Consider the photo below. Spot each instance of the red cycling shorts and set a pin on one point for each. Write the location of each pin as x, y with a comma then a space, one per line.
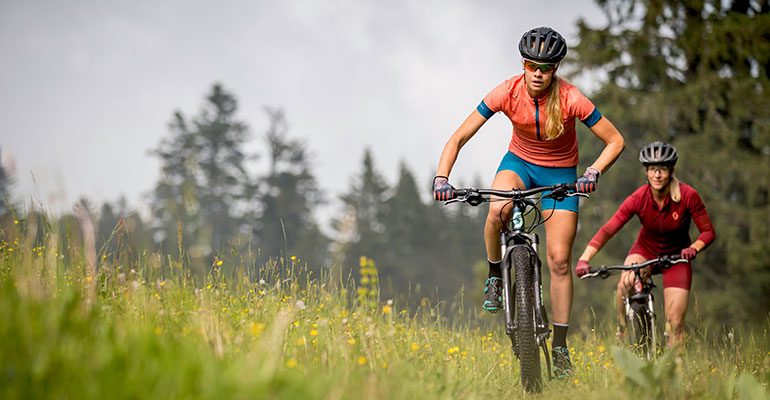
678, 276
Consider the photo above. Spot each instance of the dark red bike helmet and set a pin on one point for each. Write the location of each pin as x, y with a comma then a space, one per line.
543, 44
658, 153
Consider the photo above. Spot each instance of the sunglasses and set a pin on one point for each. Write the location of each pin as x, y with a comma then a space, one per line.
532, 66
658, 169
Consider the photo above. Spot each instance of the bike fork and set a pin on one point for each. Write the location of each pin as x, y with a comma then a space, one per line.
542, 330
627, 305
541, 317
505, 267
653, 328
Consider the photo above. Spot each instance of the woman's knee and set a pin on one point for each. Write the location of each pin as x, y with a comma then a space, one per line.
675, 322
559, 264
494, 217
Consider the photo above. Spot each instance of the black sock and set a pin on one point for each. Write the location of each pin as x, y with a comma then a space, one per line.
560, 335
494, 269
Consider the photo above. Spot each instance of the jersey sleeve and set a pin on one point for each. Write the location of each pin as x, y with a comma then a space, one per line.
701, 218
582, 108
626, 210
494, 101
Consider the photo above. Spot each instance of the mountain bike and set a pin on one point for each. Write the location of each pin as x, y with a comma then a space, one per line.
526, 321
639, 306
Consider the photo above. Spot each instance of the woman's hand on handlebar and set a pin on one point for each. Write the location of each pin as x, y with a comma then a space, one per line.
582, 268
689, 253
442, 190
588, 182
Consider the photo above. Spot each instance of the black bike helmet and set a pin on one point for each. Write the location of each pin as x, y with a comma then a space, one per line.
543, 44
658, 153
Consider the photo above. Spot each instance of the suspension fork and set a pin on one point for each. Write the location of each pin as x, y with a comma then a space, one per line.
636, 288
506, 247
541, 318
505, 267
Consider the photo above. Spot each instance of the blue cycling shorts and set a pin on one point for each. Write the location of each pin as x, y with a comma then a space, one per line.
534, 175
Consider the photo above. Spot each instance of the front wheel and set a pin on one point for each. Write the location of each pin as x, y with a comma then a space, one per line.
529, 357
640, 330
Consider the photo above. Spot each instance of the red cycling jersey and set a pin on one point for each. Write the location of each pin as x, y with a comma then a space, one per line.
664, 230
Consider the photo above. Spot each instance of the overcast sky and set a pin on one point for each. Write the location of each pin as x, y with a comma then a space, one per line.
88, 87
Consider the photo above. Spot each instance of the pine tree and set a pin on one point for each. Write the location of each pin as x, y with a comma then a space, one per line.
204, 187
6, 204
285, 226
360, 229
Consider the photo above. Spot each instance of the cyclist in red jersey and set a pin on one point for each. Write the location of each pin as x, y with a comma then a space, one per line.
543, 151
665, 208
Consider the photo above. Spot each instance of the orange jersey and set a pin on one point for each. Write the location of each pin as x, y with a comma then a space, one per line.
528, 117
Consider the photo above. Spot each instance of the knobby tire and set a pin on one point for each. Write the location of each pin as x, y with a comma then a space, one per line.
638, 323
529, 354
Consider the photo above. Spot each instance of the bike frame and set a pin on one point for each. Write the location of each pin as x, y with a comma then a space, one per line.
508, 240
642, 292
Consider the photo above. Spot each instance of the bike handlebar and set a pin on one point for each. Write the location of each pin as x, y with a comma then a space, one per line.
604, 271
475, 196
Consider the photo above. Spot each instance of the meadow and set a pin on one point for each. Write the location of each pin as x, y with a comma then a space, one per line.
140, 326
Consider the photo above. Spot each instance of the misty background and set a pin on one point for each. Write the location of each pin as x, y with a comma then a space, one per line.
87, 88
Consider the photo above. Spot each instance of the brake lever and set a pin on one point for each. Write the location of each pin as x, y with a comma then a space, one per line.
601, 273
573, 194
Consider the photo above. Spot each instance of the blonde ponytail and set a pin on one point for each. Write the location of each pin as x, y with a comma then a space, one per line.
554, 124
674, 191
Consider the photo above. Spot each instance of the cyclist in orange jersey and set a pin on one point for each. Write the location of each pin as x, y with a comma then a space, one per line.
543, 151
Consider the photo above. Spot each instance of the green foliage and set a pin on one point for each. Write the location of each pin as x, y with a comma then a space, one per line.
6, 182
153, 333
121, 234
368, 289
662, 378
653, 379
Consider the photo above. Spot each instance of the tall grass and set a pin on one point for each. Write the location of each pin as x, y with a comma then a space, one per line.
284, 330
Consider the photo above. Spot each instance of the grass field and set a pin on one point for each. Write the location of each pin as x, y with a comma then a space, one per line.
143, 329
